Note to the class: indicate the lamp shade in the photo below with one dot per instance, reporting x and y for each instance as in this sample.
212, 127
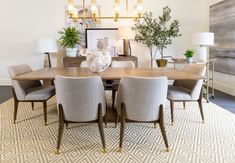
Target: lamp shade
47, 45
203, 38
126, 33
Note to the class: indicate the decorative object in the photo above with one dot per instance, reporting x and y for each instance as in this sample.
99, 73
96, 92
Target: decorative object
47, 46
69, 39
157, 33
203, 39
73, 12
222, 20
126, 33
103, 39
189, 55
98, 61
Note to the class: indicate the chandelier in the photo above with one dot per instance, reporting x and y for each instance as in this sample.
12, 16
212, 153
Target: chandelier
74, 13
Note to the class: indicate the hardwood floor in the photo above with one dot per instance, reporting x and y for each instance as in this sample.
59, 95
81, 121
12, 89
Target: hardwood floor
222, 99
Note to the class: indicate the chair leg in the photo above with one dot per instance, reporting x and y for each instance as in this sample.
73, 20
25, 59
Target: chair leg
101, 128
105, 116
60, 130
15, 110
172, 112
122, 128
67, 125
162, 127
201, 109
184, 105
45, 112
154, 125
116, 118
32, 104
113, 98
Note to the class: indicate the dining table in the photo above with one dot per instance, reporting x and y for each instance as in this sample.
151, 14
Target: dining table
110, 73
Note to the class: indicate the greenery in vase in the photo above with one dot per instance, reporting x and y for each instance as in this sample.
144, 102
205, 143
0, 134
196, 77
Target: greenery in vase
189, 53
156, 32
70, 37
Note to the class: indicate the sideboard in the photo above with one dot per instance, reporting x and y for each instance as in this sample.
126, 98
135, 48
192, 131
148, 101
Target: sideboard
76, 61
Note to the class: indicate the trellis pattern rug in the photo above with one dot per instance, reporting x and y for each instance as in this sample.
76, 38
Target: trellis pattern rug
190, 140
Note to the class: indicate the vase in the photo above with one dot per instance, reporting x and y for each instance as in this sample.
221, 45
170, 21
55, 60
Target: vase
71, 52
161, 62
189, 60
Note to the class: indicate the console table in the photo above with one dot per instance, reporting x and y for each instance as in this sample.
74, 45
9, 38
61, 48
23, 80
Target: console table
76, 61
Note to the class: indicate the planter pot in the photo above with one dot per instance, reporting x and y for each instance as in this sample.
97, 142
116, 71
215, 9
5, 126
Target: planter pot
189, 60
71, 52
161, 62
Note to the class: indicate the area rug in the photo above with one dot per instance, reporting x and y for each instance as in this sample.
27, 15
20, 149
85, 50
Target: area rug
29, 141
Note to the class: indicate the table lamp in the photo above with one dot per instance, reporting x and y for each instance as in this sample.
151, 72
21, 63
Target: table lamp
47, 46
126, 33
203, 39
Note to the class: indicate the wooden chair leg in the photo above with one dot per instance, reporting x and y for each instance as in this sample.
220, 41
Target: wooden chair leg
101, 128
172, 112
60, 130
113, 98
32, 104
45, 112
67, 125
105, 116
116, 118
15, 110
201, 109
184, 104
154, 125
162, 127
122, 128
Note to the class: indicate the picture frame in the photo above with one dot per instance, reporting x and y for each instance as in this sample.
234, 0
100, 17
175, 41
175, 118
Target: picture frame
103, 39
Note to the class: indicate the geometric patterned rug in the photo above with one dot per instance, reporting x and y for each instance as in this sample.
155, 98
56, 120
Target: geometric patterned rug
29, 141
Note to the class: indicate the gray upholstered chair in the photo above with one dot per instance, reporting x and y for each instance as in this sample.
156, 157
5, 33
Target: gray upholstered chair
80, 100
142, 100
119, 64
187, 90
29, 91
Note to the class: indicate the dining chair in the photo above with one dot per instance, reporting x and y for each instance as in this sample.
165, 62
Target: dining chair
142, 100
187, 90
119, 64
29, 90
80, 100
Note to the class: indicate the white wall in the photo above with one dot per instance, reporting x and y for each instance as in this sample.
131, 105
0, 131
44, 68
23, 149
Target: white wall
23, 21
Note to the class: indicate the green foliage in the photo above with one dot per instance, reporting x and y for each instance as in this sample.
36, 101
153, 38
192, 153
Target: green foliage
157, 32
189, 53
70, 36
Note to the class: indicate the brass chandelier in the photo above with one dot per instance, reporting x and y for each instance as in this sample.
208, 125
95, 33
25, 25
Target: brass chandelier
73, 11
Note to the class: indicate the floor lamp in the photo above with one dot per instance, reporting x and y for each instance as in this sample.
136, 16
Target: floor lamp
47, 46
126, 33
203, 39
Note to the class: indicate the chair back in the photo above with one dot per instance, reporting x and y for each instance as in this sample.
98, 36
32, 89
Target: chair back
142, 97
193, 85
21, 86
123, 64
80, 97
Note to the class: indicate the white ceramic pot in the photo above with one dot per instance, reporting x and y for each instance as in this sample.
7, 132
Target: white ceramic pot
71, 52
189, 60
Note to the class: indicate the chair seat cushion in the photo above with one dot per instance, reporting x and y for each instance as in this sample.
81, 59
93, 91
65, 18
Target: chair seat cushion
40, 93
178, 93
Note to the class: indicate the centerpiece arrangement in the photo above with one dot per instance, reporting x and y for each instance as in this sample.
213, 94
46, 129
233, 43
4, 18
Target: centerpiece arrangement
189, 55
157, 33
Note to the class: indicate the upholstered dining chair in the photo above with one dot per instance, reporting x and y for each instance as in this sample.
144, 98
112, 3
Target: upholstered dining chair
142, 100
119, 64
80, 100
29, 91
187, 90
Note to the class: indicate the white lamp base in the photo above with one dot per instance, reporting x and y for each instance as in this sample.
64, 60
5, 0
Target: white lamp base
201, 54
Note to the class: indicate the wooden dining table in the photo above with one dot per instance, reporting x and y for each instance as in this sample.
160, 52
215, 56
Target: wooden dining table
109, 74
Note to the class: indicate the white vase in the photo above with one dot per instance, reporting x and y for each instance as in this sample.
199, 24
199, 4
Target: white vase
71, 52
189, 60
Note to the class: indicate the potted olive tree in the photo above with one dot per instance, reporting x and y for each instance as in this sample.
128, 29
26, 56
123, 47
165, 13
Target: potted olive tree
69, 39
157, 33
189, 55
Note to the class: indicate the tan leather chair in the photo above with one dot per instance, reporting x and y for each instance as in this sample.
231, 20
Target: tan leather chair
29, 91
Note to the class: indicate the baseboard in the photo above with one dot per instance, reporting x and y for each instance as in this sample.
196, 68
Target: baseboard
225, 88
5, 82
